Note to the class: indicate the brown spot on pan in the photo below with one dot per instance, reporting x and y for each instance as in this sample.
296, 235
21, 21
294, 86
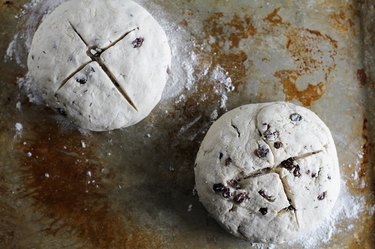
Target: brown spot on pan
243, 28
324, 37
306, 96
304, 47
67, 186
274, 17
184, 22
232, 31
362, 76
234, 64
340, 21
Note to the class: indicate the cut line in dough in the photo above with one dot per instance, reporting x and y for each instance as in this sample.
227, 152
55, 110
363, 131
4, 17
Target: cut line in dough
63, 83
97, 59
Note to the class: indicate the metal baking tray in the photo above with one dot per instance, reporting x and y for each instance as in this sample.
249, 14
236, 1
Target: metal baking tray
61, 187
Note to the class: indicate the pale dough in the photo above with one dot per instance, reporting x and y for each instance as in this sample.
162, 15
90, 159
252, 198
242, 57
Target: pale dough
102, 63
268, 172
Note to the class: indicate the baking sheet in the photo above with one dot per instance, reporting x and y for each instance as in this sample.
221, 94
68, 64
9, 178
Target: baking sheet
61, 187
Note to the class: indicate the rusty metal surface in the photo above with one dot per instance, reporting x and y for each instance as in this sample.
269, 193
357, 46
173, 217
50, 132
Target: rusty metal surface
133, 188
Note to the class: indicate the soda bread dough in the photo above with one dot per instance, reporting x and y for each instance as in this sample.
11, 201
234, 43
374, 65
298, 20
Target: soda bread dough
102, 63
268, 172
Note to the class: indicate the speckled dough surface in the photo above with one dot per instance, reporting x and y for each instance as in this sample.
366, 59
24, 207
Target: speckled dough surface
102, 63
268, 172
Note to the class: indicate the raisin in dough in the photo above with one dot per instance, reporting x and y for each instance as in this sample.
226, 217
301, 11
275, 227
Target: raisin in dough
103, 63
268, 172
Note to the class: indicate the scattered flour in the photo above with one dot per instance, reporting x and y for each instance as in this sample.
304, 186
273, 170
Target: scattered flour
27, 87
171, 169
11, 51
184, 59
88, 173
190, 207
214, 115
221, 76
350, 227
19, 129
18, 106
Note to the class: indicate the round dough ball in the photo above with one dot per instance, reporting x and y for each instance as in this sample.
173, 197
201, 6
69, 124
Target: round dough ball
268, 172
102, 63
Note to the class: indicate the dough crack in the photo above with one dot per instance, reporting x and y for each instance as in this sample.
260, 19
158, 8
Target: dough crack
236, 129
270, 146
239, 231
308, 154
94, 53
259, 172
288, 164
289, 196
115, 82
77, 33
119, 39
263, 138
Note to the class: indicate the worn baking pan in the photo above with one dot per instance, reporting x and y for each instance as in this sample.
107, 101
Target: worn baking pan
62, 187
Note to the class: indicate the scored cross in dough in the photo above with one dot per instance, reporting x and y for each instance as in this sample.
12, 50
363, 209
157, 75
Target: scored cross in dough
120, 37
268, 172
95, 55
